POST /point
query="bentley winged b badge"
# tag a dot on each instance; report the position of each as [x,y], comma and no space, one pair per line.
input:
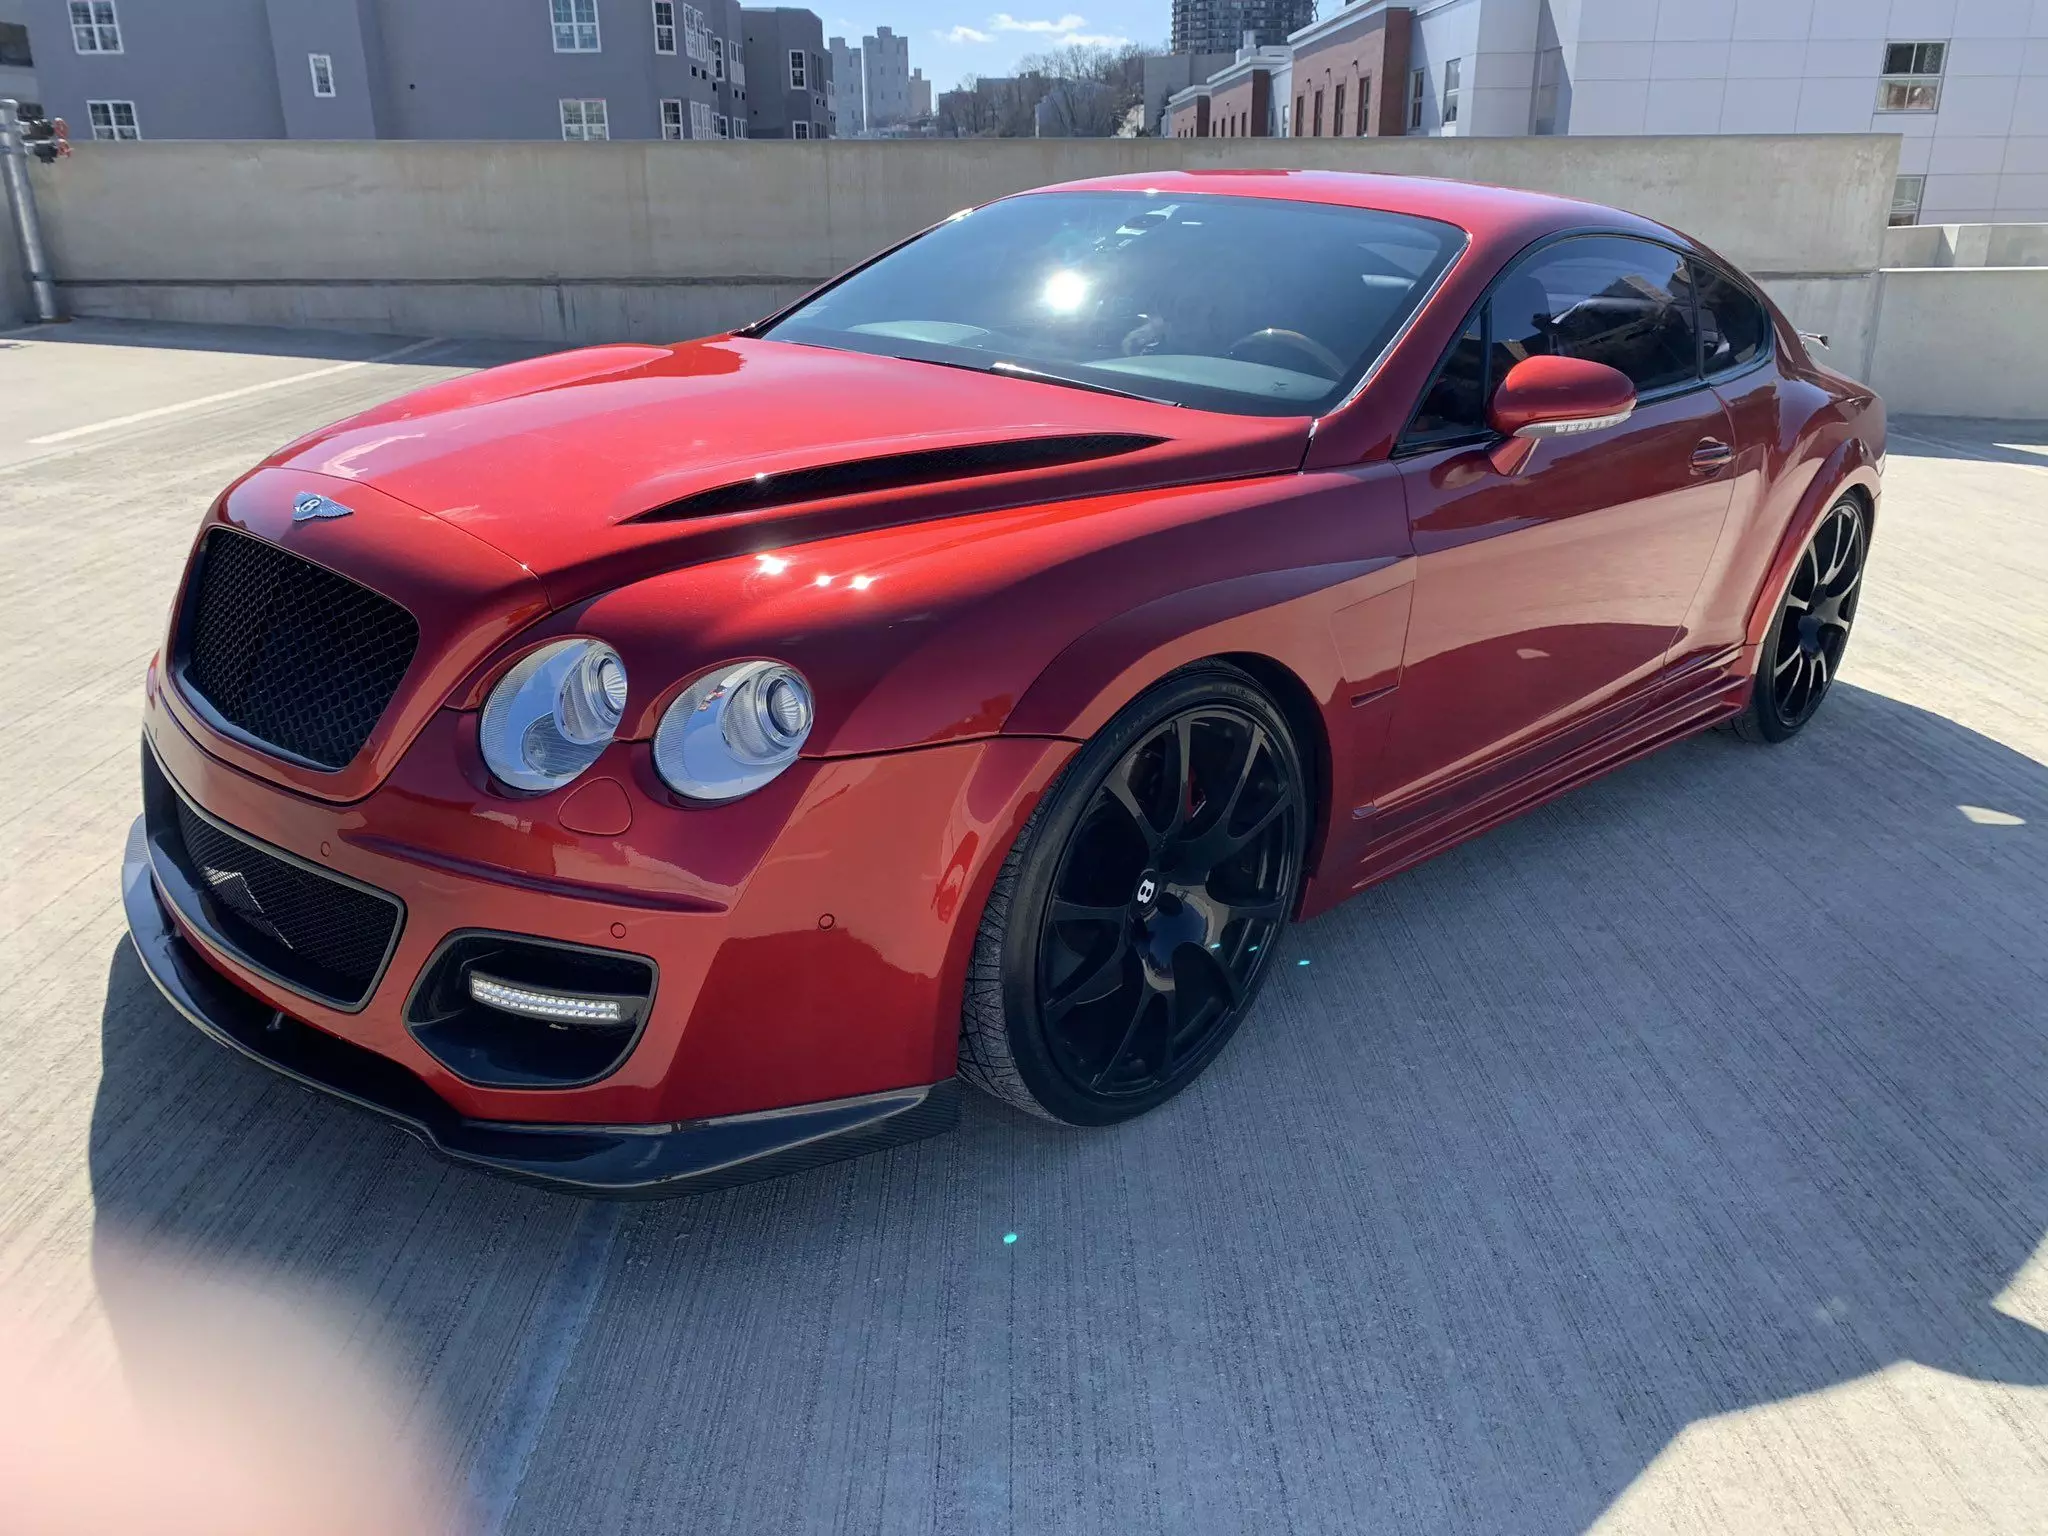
[308,505]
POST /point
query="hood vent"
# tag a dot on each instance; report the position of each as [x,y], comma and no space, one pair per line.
[895,471]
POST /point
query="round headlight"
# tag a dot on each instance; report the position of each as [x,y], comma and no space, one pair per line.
[551,716]
[733,730]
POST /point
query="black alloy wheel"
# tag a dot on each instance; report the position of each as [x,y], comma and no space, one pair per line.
[1804,650]
[1138,914]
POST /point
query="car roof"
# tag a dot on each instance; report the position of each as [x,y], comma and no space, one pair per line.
[1488,213]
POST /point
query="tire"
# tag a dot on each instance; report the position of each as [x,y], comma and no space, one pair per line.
[1803,650]
[1124,941]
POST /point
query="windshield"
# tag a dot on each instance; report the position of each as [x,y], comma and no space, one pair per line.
[1242,304]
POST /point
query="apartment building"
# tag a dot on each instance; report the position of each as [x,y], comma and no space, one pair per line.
[1219,26]
[17,60]
[792,95]
[849,111]
[885,79]
[404,69]
[1964,83]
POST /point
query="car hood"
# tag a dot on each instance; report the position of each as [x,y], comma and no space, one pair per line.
[735,444]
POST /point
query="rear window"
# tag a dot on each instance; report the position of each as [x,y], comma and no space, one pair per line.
[1248,305]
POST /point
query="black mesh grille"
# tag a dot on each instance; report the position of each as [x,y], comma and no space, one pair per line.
[311,932]
[895,471]
[289,651]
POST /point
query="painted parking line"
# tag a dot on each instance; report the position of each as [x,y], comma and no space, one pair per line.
[69,433]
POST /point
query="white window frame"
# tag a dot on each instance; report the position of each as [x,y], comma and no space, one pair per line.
[672,119]
[1418,93]
[724,126]
[321,67]
[1925,63]
[799,130]
[739,126]
[575,27]
[797,68]
[586,130]
[1908,192]
[701,120]
[1451,73]
[95,26]
[664,26]
[696,35]
[717,58]
[105,118]
[735,63]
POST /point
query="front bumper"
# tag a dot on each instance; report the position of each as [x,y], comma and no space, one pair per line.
[686,1157]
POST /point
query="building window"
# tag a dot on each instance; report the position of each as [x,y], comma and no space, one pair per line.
[1450,92]
[664,26]
[1299,116]
[671,117]
[724,126]
[1316,132]
[323,73]
[1906,192]
[584,118]
[575,26]
[700,119]
[1337,114]
[796,69]
[717,59]
[735,67]
[1543,101]
[739,127]
[113,119]
[1418,88]
[800,130]
[95,28]
[1912,77]
[1364,104]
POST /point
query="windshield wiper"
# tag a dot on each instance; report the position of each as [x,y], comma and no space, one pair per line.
[1036,375]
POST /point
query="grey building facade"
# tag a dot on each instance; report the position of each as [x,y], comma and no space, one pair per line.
[791,96]
[885,78]
[17,59]
[1224,26]
[394,69]
[849,113]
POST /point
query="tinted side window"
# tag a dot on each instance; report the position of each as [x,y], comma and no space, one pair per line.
[1455,403]
[1734,329]
[1622,302]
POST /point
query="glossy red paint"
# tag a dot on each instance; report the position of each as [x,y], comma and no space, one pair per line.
[1454,643]
[1542,390]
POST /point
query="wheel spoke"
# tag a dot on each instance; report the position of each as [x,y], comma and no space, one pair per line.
[1233,993]
[1795,604]
[1183,776]
[1791,660]
[1121,791]
[1063,911]
[1820,670]
[1129,1037]
[1271,911]
[1096,982]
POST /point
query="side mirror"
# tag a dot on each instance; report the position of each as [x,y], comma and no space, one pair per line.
[1554,397]
[1550,396]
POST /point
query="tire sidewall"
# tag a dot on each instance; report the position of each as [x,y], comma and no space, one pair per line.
[1066,804]
[1762,721]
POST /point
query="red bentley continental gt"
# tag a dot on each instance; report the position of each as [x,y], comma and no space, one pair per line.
[646,768]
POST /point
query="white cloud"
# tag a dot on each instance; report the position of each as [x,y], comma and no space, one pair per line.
[1003,21]
[1092,39]
[963,35]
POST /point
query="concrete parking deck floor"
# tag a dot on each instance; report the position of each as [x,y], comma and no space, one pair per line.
[1675,1158]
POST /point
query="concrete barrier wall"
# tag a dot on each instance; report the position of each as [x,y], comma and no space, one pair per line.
[1966,341]
[588,242]
[1966,245]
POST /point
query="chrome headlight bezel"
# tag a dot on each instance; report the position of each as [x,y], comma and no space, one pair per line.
[553,714]
[733,730]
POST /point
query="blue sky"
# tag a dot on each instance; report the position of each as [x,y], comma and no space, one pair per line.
[951,38]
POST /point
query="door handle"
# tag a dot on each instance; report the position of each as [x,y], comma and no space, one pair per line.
[1710,454]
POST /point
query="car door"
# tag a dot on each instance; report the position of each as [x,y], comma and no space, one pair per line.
[1544,594]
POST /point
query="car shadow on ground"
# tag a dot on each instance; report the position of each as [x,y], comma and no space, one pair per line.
[1721,1081]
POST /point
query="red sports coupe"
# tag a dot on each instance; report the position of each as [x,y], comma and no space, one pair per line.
[645,768]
